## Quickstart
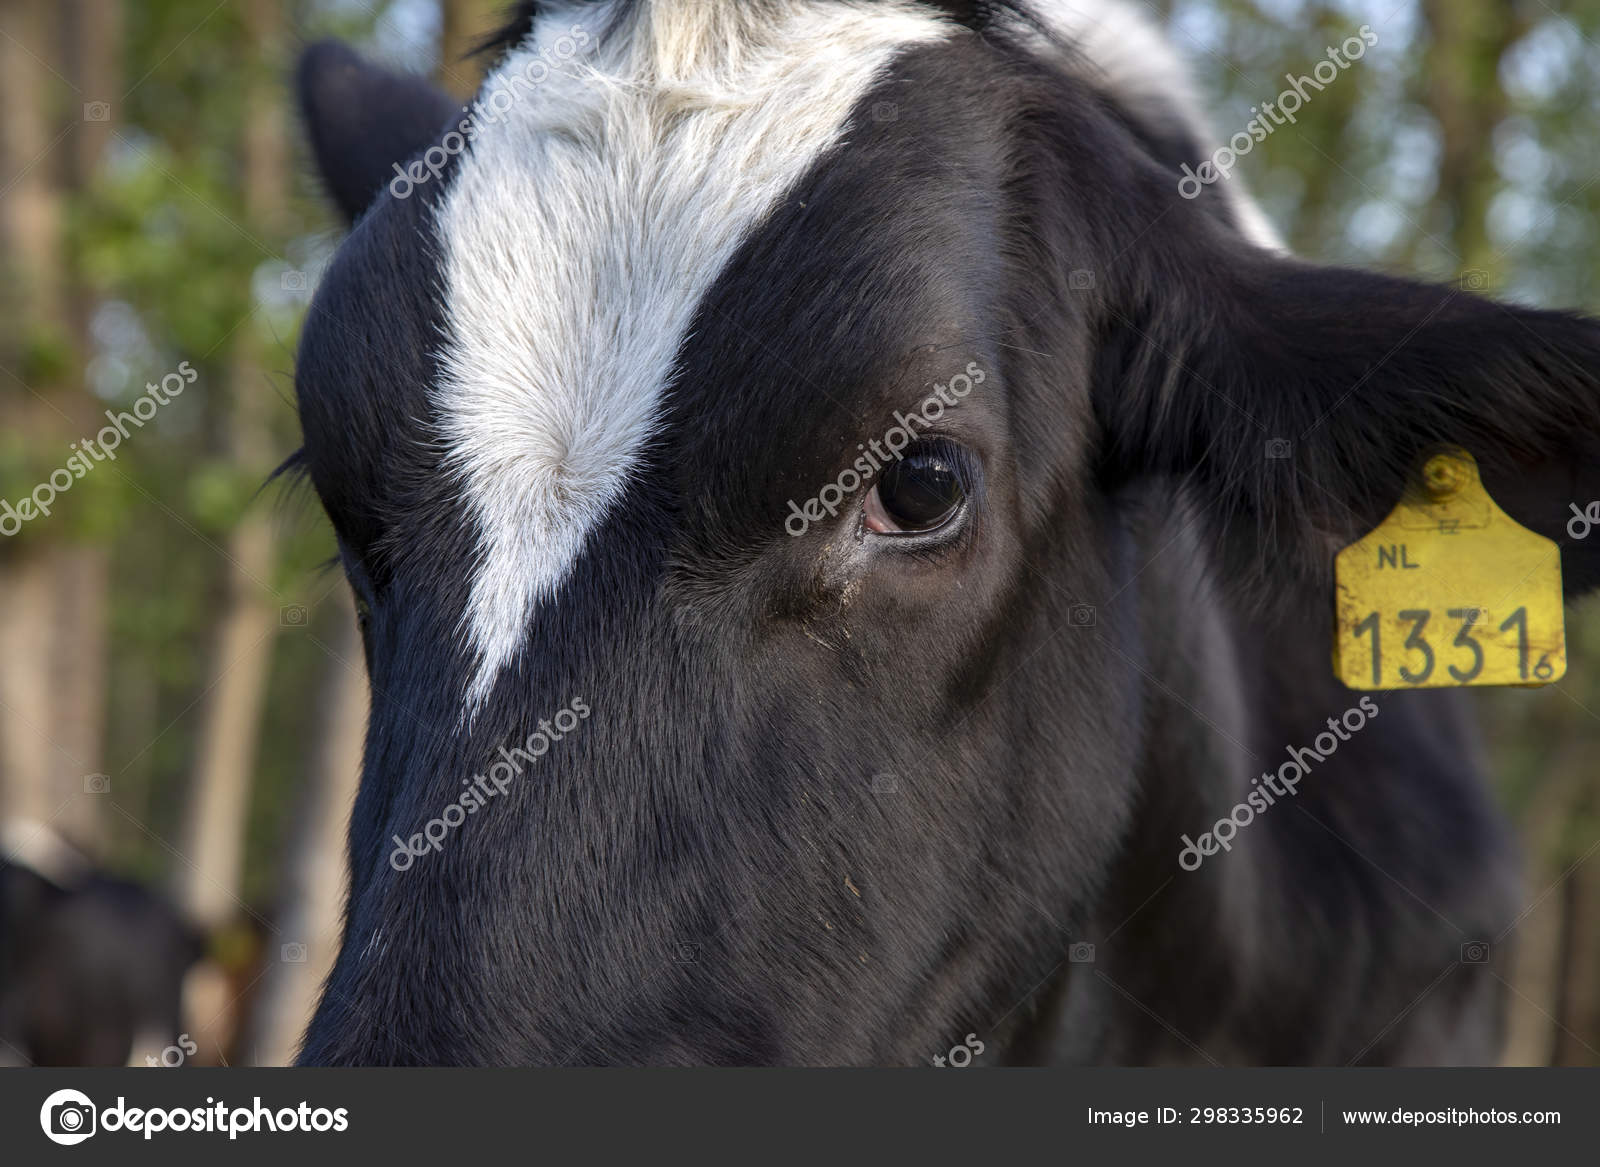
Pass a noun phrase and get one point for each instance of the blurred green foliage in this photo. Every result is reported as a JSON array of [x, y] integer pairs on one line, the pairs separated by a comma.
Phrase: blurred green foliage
[[165, 236]]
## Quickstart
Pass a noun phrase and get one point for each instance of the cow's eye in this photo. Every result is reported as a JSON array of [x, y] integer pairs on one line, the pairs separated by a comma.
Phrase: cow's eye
[[921, 492]]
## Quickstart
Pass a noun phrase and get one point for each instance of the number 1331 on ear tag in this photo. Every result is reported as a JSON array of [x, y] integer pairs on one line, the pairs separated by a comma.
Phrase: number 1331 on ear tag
[[1448, 590]]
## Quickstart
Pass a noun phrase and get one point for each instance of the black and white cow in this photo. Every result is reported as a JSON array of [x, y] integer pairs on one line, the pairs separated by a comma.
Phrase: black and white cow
[[659, 772]]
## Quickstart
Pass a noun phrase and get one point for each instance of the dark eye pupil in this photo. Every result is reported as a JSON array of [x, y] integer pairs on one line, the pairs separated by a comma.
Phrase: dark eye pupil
[[920, 492]]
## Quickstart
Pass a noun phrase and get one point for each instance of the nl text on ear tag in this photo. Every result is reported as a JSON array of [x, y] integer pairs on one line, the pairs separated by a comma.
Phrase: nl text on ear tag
[[1448, 590]]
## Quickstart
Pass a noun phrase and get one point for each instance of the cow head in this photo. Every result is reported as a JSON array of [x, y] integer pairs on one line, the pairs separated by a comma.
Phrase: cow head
[[735, 426]]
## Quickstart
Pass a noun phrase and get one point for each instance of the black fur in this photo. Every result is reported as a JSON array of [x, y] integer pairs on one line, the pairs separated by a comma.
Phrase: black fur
[[706, 872], [361, 121]]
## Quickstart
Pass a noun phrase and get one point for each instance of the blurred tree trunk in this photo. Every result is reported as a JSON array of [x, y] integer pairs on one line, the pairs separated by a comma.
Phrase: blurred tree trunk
[[91, 34], [1461, 68], [33, 317], [1578, 1040], [1533, 999], [208, 880], [462, 26], [24, 696], [30, 208], [314, 876], [1324, 123], [79, 579]]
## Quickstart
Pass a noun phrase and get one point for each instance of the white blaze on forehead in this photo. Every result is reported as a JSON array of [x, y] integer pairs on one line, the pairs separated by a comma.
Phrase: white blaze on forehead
[[582, 229]]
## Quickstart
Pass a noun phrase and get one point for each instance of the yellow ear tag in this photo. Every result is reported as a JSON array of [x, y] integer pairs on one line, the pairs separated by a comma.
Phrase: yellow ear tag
[[1448, 590]]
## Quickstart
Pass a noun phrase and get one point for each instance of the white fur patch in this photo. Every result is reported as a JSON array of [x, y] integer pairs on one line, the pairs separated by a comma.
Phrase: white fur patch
[[589, 219], [582, 230]]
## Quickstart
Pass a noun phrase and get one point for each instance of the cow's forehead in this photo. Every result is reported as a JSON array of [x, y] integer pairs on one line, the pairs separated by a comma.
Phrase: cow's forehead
[[604, 191]]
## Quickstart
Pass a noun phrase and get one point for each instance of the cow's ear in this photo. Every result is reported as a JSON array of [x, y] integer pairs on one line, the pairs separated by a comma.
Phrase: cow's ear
[[362, 120], [1301, 399]]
